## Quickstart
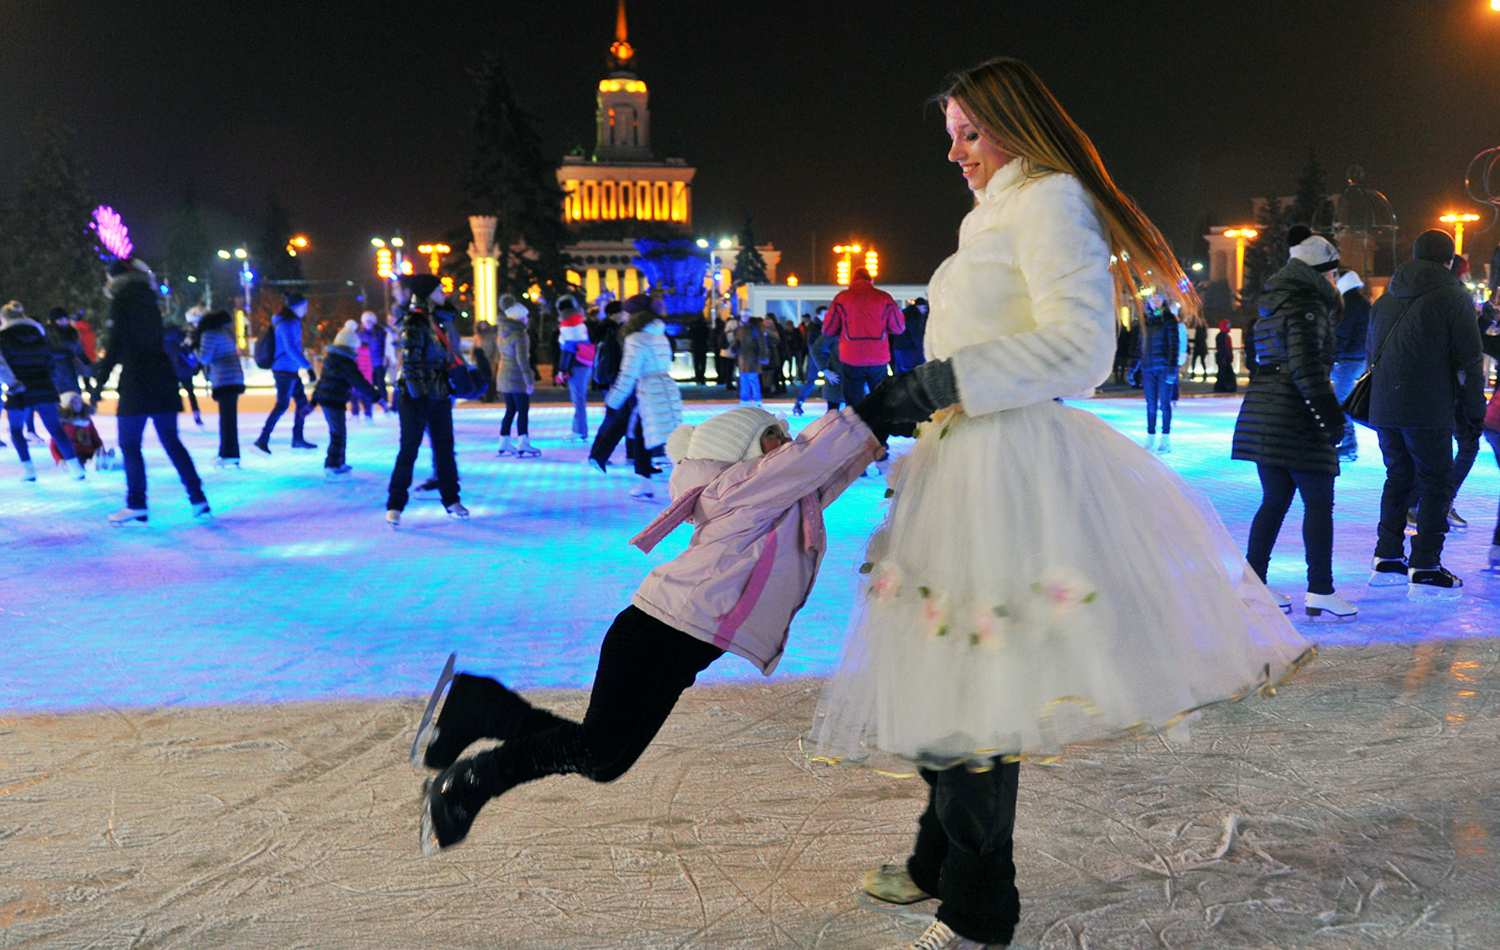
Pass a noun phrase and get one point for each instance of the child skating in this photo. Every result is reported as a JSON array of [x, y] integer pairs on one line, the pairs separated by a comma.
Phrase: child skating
[[756, 500]]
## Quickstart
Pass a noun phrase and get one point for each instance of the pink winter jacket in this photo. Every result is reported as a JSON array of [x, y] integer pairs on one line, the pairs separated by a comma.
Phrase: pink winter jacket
[[758, 538]]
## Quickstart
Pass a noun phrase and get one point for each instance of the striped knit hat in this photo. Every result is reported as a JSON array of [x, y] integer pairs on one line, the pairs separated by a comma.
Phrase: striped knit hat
[[732, 436]]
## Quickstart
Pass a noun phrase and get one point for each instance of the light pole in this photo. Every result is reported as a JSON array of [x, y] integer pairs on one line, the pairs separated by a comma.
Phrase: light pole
[[1458, 221], [390, 263], [247, 278], [1240, 235]]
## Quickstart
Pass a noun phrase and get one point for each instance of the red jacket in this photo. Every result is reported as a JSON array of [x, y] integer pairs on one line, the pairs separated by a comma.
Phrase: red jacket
[[864, 318]]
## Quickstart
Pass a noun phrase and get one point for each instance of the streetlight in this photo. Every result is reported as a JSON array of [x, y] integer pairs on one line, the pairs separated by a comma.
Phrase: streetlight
[[242, 317], [1459, 220], [1240, 235]]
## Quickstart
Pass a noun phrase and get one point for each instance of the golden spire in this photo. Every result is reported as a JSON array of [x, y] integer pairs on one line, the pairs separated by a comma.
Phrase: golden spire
[[621, 49]]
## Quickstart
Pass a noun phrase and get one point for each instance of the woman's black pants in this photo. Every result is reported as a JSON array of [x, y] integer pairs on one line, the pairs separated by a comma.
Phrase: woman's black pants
[[1278, 486], [964, 851]]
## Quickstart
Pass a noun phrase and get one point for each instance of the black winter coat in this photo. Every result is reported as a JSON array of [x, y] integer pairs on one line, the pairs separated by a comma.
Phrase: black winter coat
[[68, 361], [910, 340], [1355, 326], [1433, 359], [424, 359], [1160, 336], [24, 346], [1290, 417], [148, 381], [340, 376]]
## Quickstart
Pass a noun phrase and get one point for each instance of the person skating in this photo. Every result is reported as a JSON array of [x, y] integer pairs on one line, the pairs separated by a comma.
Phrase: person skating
[[1290, 424], [340, 378], [575, 361], [863, 318], [219, 356], [290, 361], [26, 369], [1349, 359], [179, 342], [1425, 359], [148, 388], [68, 359], [372, 337], [1225, 381], [906, 347], [424, 402], [756, 500], [1160, 340], [1031, 553], [515, 380], [644, 393]]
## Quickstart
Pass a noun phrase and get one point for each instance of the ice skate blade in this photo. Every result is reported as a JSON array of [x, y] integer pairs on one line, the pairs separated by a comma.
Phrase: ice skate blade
[[1428, 592], [428, 838], [1386, 579], [427, 727]]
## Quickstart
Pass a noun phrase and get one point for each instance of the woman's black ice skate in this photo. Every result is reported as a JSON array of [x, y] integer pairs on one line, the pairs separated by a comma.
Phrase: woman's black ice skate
[[450, 803]]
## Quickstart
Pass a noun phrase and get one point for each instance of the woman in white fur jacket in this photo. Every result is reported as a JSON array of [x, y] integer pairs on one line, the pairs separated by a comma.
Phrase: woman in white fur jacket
[[645, 389], [1039, 578]]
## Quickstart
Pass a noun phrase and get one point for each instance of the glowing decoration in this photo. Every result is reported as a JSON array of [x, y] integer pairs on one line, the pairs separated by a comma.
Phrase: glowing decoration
[[435, 254], [621, 49], [225, 255], [845, 265], [1458, 221], [376, 242], [791, 280], [397, 242], [872, 263], [383, 262], [447, 285], [1241, 235], [621, 85], [406, 267], [241, 253], [113, 233]]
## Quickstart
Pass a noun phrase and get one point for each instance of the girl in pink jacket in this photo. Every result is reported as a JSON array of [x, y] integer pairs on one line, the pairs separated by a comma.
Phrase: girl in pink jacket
[[756, 499]]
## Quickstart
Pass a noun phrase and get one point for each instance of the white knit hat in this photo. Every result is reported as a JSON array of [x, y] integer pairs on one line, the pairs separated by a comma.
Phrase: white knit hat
[[348, 336], [1317, 253], [732, 436], [1349, 281]]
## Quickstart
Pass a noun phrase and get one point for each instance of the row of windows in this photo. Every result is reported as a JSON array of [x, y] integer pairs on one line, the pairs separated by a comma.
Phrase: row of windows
[[622, 284], [613, 201]]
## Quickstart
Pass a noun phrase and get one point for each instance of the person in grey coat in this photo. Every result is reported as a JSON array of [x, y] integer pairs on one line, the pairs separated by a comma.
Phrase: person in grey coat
[[219, 355], [1426, 358]]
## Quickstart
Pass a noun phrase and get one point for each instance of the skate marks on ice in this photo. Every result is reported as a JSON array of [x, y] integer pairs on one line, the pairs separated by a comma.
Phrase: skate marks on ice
[[1356, 809]]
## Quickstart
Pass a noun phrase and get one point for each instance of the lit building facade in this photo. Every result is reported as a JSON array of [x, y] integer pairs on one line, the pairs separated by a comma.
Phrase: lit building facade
[[622, 190]]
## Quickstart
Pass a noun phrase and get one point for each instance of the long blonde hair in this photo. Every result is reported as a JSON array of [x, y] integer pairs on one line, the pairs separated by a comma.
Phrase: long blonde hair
[[1010, 104]]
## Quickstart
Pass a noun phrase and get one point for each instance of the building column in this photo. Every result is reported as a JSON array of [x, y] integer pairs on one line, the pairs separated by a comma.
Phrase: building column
[[486, 258]]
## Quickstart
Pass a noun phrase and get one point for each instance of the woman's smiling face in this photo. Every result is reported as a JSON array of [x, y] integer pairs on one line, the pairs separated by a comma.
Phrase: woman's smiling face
[[975, 153]]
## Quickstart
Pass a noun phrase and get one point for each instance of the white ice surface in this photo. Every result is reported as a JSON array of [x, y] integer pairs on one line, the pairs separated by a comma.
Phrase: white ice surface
[[210, 783]]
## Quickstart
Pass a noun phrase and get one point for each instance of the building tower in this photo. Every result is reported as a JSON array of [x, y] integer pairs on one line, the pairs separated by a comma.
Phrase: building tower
[[624, 121]]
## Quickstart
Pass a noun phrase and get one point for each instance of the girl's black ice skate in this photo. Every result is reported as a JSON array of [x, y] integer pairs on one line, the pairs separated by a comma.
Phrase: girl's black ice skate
[[450, 803]]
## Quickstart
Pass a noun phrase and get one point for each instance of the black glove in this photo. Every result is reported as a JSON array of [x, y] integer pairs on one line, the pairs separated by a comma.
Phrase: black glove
[[312, 378], [1326, 409], [899, 403]]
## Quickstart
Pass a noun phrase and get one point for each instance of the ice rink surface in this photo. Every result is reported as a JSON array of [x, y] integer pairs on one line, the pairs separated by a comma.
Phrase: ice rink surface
[[204, 728], [298, 591]]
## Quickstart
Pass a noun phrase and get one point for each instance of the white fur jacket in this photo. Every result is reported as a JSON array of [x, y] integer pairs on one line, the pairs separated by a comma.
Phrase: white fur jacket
[[1025, 306]]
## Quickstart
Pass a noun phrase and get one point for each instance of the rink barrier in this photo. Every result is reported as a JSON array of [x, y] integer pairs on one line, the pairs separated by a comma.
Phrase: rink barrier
[[982, 760]]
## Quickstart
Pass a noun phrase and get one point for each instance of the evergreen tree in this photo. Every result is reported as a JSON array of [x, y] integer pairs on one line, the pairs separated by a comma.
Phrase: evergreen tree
[[1265, 255], [749, 266], [275, 261], [508, 176], [1312, 206], [48, 256], [189, 252]]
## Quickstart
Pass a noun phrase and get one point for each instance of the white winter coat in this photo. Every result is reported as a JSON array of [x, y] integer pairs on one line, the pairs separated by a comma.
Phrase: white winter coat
[[644, 370], [1025, 306]]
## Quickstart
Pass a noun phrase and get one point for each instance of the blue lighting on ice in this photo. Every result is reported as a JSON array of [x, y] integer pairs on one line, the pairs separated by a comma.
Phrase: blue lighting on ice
[[298, 591]]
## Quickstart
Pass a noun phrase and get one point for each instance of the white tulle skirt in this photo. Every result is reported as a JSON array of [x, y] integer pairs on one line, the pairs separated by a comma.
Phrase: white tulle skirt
[[1041, 579]]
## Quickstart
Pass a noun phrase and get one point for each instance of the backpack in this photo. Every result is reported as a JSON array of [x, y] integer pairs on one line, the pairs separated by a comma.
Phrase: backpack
[[265, 348], [607, 358]]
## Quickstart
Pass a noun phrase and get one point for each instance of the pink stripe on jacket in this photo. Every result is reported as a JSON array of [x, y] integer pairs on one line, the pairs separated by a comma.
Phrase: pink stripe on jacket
[[758, 538]]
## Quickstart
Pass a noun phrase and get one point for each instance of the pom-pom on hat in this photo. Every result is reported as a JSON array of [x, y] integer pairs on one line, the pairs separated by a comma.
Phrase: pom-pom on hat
[[348, 336], [1348, 281], [1318, 253], [732, 436]]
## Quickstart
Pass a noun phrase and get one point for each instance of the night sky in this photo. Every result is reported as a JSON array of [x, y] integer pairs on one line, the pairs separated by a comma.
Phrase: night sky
[[810, 116]]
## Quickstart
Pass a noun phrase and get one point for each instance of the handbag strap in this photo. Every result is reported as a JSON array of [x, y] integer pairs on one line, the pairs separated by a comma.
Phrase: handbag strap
[[1392, 331]]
